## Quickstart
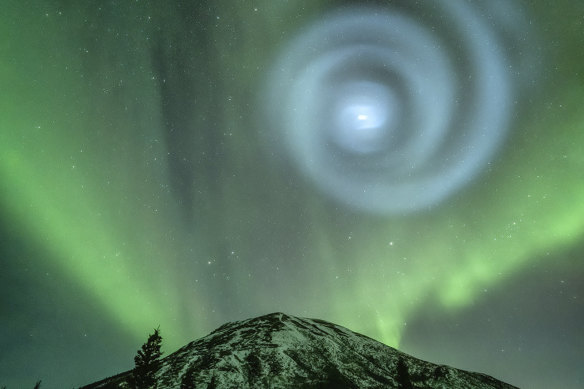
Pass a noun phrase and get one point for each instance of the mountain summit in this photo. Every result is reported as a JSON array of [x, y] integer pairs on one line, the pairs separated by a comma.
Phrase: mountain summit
[[282, 351]]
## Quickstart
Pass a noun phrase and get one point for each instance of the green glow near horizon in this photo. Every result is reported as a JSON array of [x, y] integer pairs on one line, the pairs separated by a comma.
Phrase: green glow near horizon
[[523, 218], [53, 199], [95, 214], [86, 186]]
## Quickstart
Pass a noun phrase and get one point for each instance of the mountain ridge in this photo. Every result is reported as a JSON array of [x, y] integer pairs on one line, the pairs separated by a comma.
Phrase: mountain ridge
[[283, 351]]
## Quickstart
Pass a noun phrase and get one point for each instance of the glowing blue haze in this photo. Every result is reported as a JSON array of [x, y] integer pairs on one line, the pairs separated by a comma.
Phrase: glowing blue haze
[[389, 111]]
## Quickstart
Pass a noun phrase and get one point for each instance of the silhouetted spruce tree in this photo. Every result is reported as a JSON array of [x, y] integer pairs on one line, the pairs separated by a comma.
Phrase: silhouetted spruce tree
[[147, 361]]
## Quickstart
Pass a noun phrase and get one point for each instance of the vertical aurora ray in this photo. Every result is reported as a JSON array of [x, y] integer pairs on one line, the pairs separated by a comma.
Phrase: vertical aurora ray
[[72, 184]]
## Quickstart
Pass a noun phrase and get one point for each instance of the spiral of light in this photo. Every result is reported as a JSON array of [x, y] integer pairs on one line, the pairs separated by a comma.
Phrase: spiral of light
[[391, 110]]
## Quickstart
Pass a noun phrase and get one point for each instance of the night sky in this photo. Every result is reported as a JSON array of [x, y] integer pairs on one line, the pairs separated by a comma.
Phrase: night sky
[[413, 171]]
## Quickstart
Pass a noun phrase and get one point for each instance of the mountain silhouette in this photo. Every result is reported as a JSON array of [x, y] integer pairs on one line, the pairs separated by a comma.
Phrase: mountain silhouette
[[283, 351]]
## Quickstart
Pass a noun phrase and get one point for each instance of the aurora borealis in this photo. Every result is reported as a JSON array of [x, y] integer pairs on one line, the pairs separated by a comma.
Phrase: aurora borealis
[[143, 183]]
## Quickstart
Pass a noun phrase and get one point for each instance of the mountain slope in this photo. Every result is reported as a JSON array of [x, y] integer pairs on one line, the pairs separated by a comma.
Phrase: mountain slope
[[282, 351]]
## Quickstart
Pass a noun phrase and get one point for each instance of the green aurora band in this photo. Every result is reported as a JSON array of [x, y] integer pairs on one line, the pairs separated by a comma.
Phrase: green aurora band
[[84, 175]]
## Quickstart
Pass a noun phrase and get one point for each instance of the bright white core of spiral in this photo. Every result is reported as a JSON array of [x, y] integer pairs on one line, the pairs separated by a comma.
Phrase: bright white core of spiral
[[363, 117]]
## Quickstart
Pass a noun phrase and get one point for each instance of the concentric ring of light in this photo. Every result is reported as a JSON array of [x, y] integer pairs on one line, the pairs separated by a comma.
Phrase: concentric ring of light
[[385, 113]]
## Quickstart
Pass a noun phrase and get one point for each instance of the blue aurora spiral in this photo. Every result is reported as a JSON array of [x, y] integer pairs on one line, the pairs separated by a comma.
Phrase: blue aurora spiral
[[392, 110]]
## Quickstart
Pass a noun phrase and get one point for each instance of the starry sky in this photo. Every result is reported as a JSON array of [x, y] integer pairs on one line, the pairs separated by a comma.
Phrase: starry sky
[[414, 172]]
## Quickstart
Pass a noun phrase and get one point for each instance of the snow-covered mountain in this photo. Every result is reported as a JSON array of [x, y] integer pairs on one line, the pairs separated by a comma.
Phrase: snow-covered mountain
[[282, 351]]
